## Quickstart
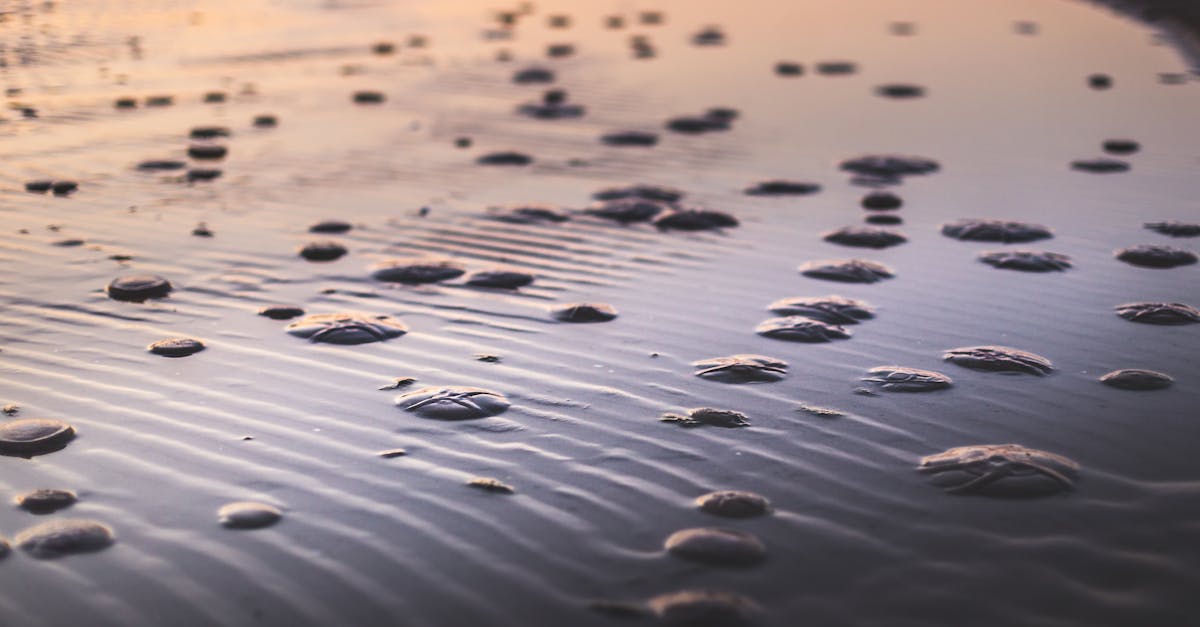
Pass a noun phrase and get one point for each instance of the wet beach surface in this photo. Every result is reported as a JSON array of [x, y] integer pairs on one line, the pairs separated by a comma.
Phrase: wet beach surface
[[412, 362]]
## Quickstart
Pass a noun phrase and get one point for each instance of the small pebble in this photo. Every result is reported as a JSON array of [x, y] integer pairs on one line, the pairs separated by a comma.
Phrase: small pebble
[[248, 515]]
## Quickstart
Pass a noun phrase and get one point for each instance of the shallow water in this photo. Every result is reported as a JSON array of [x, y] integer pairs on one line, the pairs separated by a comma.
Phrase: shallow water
[[856, 535]]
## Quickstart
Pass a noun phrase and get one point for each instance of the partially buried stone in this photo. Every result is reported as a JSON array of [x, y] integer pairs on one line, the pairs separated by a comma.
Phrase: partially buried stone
[[704, 608], [528, 214], [833, 309], [900, 90], [46, 500], [248, 515], [696, 124], [779, 187], [453, 403], [505, 158], [836, 68], [392, 453], [889, 166], [789, 68], [208, 132], [999, 359], [416, 271], [801, 329], [488, 484], [330, 226], [847, 270], [1156, 256], [881, 201], [630, 138], [207, 151], [1026, 260], [38, 187], [903, 379], [138, 288], [691, 219], [1120, 146], [501, 279], [1159, 313], [1137, 379], [627, 210], [995, 231], [741, 368], [265, 121], [281, 312], [733, 504], [61, 537], [1100, 166], [1099, 81], [584, 312], [176, 347], [534, 75], [889, 219], [64, 188], [865, 237], [645, 192], [161, 165], [369, 97], [347, 328], [717, 547], [203, 174], [322, 251], [708, 416], [1174, 228], [1009, 470], [709, 36]]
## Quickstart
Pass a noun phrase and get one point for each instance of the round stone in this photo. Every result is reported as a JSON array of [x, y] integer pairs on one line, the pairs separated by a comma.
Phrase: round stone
[[1174, 228], [1156, 256], [584, 312], [903, 379], [1121, 146], [881, 201], [900, 90], [778, 187], [733, 504], [46, 500], [453, 403], [1137, 379], [347, 328], [801, 329], [207, 151], [248, 515], [627, 210], [847, 270], [281, 312], [322, 251], [505, 158], [176, 347], [718, 547], [138, 288], [741, 368], [694, 220], [1026, 260], [1159, 313], [833, 309], [500, 279], [34, 436], [330, 226], [416, 271], [999, 359], [865, 237], [64, 536], [1100, 166], [995, 231], [704, 608]]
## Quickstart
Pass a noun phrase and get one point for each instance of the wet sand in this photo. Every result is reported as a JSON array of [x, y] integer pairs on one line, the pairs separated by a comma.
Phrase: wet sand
[[566, 496]]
